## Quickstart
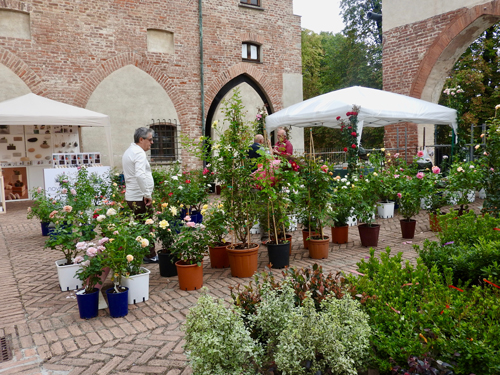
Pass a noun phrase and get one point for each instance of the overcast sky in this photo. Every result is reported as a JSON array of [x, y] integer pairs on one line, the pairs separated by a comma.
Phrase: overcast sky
[[319, 15]]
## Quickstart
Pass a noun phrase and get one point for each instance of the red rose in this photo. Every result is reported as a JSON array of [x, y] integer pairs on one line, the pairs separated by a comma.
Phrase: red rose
[[350, 127], [345, 149], [170, 194], [353, 145], [188, 181], [348, 114], [338, 118], [354, 113], [353, 134]]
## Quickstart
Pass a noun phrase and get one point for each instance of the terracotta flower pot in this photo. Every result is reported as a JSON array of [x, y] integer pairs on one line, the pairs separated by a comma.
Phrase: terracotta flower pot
[[305, 235], [218, 256], [190, 275], [318, 248], [408, 228], [369, 234], [340, 234], [243, 262], [434, 222]]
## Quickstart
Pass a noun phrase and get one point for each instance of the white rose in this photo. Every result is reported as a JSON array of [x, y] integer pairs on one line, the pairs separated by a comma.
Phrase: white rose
[[111, 212], [100, 218]]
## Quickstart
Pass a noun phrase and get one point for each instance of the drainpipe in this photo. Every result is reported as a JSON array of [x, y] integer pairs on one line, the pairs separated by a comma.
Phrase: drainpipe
[[202, 88]]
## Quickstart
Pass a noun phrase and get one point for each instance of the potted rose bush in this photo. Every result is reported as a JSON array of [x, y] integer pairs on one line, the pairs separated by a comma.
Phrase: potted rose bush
[[340, 207], [462, 181], [365, 205], [276, 177], [167, 226], [190, 247], [42, 208], [126, 242], [216, 224]]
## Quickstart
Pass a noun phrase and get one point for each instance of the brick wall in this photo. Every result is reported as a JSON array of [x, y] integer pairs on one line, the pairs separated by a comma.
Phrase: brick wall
[[76, 44], [404, 50]]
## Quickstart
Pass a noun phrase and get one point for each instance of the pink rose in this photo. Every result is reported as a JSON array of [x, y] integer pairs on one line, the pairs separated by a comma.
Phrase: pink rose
[[64, 191], [436, 169], [78, 259], [52, 214], [187, 218], [420, 154], [191, 224], [39, 190], [73, 191], [399, 195], [67, 208], [91, 251], [420, 175]]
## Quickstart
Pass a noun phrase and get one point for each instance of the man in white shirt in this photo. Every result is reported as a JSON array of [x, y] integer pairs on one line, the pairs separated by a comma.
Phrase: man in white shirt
[[139, 181]]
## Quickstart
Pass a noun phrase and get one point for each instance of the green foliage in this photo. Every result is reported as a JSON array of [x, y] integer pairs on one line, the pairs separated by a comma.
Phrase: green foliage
[[280, 335], [341, 201], [125, 240], [415, 311], [42, 206], [217, 341], [168, 224], [468, 245], [491, 168], [91, 264], [314, 193], [190, 243], [462, 179], [215, 221], [234, 169], [476, 74]]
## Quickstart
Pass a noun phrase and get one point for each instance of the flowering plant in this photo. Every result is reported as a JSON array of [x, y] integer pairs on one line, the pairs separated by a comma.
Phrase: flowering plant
[[91, 264], [409, 196], [67, 232], [42, 206], [125, 242], [276, 177], [315, 192], [340, 206], [491, 169], [462, 179], [349, 136], [191, 243], [215, 221], [363, 198]]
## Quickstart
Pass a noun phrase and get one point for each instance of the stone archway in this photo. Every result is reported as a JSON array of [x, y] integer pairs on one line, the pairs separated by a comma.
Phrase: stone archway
[[418, 56]]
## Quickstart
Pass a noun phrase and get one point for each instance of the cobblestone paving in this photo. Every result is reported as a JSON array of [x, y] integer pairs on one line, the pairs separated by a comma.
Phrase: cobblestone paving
[[48, 337]]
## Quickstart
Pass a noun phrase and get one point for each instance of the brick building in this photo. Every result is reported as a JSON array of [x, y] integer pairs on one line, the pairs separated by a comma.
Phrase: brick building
[[139, 61], [422, 41]]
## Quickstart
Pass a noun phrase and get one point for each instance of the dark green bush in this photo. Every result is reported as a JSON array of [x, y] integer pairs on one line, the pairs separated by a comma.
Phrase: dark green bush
[[469, 245], [419, 312]]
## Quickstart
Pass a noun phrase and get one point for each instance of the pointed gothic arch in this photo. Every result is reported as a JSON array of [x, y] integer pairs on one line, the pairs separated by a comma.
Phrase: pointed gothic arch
[[449, 46]]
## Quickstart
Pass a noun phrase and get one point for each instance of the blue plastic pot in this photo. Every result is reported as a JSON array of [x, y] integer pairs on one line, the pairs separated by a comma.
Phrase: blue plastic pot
[[45, 228], [88, 304], [118, 302]]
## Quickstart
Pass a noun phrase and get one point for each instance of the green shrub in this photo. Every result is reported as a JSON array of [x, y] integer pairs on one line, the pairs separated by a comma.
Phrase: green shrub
[[278, 332], [415, 311], [468, 245]]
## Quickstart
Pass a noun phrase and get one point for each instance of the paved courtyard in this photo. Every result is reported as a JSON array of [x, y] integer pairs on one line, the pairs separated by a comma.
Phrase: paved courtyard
[[42, 325]]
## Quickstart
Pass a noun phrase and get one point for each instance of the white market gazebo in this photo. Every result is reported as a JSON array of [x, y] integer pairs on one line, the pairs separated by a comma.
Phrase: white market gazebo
[[377, 108], [31, 109]]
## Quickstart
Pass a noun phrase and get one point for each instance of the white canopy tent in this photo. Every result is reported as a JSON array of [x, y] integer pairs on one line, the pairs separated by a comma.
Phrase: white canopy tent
[[31, 109], [377, 108]]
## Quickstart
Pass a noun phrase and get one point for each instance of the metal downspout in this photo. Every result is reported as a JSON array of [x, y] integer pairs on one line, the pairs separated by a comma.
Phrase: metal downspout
[[202, 73]]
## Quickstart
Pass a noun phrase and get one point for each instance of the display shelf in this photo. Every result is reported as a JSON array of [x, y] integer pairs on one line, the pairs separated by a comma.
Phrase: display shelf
[[76, 159]]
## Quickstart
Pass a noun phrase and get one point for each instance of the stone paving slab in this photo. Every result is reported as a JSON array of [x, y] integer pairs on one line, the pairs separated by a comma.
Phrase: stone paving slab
[[48, 337]]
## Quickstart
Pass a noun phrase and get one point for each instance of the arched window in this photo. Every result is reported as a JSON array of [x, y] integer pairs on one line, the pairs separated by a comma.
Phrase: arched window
[[250, 51], [164, 149]]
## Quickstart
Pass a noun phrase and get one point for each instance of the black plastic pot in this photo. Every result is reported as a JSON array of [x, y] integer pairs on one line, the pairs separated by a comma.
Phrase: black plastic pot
[[167, 263], [279, 255]]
